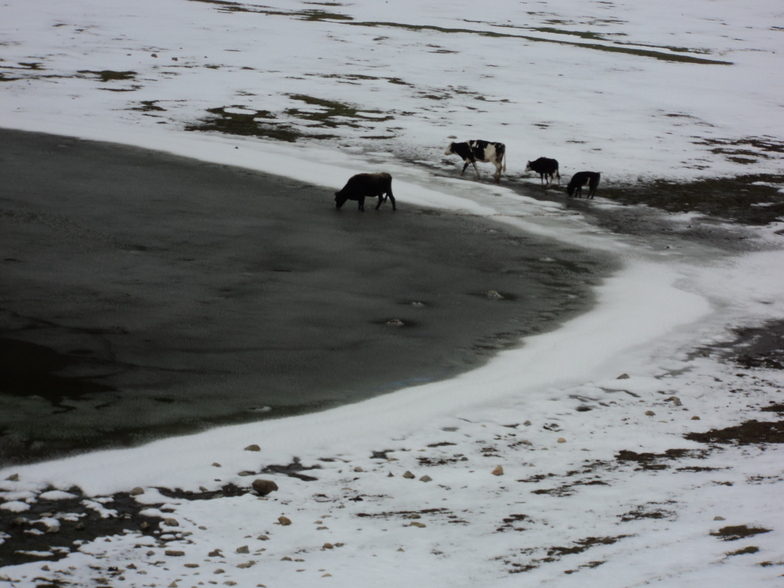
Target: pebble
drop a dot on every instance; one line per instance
(649, 413)
(408, 475)
(284, 521)
(498, 471)
(171, 522)
(137, 491)
(174, 553)
(561, 440)
(264, 487)
(425, 479)
(243, 549)
(253, 447)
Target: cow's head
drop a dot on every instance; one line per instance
(340, 199)
(450, 149)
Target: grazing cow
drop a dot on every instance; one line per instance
(473, 151)
(546, 168)
(580, 179)
(361, 186)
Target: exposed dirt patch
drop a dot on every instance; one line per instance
(750, 199)
(78, 519)
(749, 433)
(108, 75)
(736, 532)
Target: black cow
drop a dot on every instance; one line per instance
(473, 151)
(546, 168)
(361, 186)
(580, 179)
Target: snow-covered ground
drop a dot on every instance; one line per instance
(597, 485)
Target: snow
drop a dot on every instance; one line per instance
(566, 511)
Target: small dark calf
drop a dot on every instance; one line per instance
(546, 168)
(362, 186)
(580, 179)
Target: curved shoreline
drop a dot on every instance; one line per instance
(163, 303)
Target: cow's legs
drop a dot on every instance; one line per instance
(361, 201)
(476, 169)
(465, 166)
(391, 199)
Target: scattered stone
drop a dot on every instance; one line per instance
(253, 447)
(623, 377)
(246, 473)
(527, 423)
(417, 524)
(494, 295)
(358, 469)
(425, 479)
(215, 553)
(401, 549)
(262, 538)
(190, 565)
(246, 565)
(327, 576)
(650, 413)
(216, 465)
(137, 491)
(675, 400)
(719, 518)
(150, 553)
(328, 546)
(286, 558)
(171, 522)
(498, 471)
(264, 487)
(284, 521)
(389, 475)
(408, 475)
(174, 553)
(13, 478)
(395, 323)
(695, 418)
(561, 440)
(219, 571)
(243, 549)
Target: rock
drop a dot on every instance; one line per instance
(494, 295)
(417, 524)
(695, 418)
(264, 487)
(262, 538)
(326, 576)
(328, 546)
(390, 475)
(498, 471)
(219, 571)
(286, 558)
(358, 469)
(623, 377)
(243, 549)
(174, 553)
(246, 565)
(215, 553)
(137, 491)
(649, 413)
(173, 584)
(561, 440)
(425, 479)
(253, 447)
(189, 565)
(150, 553)
(675, 400)
(527, 423)
(171, 522)
(285, 521)
(409, 476)
(216, 465)
(719, 518)
(395, 323)
(12, 478)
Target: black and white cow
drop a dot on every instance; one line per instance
(580, 179)
(546, 168)
(473, 151)
(361, 186)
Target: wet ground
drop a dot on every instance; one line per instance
(146, 295)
